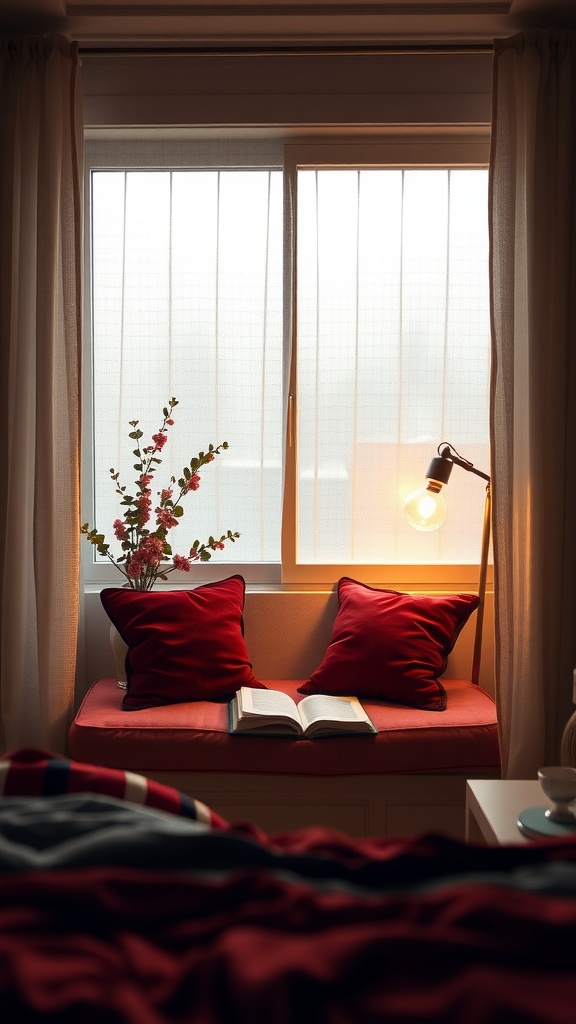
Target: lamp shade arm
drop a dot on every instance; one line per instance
(448, 452)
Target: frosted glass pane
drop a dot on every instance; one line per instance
(187, 302)
(393, 358)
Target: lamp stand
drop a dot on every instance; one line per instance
(482, 587)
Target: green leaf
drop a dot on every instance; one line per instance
(178, 511)
(205, 556)
(187, 473)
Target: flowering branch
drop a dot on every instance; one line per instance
(145, 549)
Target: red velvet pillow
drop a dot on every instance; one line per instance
(391, 646)
(183, 645)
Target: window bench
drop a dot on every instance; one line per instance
(409, 777)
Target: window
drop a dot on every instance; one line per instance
(186, 289)
(385, 289)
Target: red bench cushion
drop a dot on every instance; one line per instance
(194, 737)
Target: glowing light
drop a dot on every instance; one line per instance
(426, 508)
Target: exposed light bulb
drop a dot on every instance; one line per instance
(426, 508)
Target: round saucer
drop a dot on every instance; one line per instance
(534, 823)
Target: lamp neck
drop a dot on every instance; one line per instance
(448, 453)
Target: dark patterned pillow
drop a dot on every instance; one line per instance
(31, 772)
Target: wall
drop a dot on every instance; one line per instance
(302, 92)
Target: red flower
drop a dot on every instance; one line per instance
(160, 439)
(180, 562)
(148, 554)
(120, 529)
(134, 566)
(193, 483)
(165, 518)
(143, 504)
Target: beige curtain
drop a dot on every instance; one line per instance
(533, 270)
(40, 336)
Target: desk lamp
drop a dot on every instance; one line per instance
(426, 510)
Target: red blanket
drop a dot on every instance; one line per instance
(312, 926)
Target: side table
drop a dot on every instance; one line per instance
(493, 806)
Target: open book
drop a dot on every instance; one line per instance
(273, 713)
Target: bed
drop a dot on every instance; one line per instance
(151, 910)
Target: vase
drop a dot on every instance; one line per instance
(119, 650)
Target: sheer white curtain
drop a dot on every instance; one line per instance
(533, 425)
(393, 358)
(40, 333)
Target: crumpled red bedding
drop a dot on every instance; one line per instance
(183, 924)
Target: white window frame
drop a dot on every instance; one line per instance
(105, 154)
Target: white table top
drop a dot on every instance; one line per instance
(496, 804)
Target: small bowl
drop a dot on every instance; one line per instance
(559, 785)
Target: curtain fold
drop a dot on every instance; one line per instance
(41, 135)
(533, 407)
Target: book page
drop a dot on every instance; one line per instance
(334, 709)
(267, 702)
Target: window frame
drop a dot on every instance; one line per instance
(410, 146)
(105, 155)
(426, 148)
